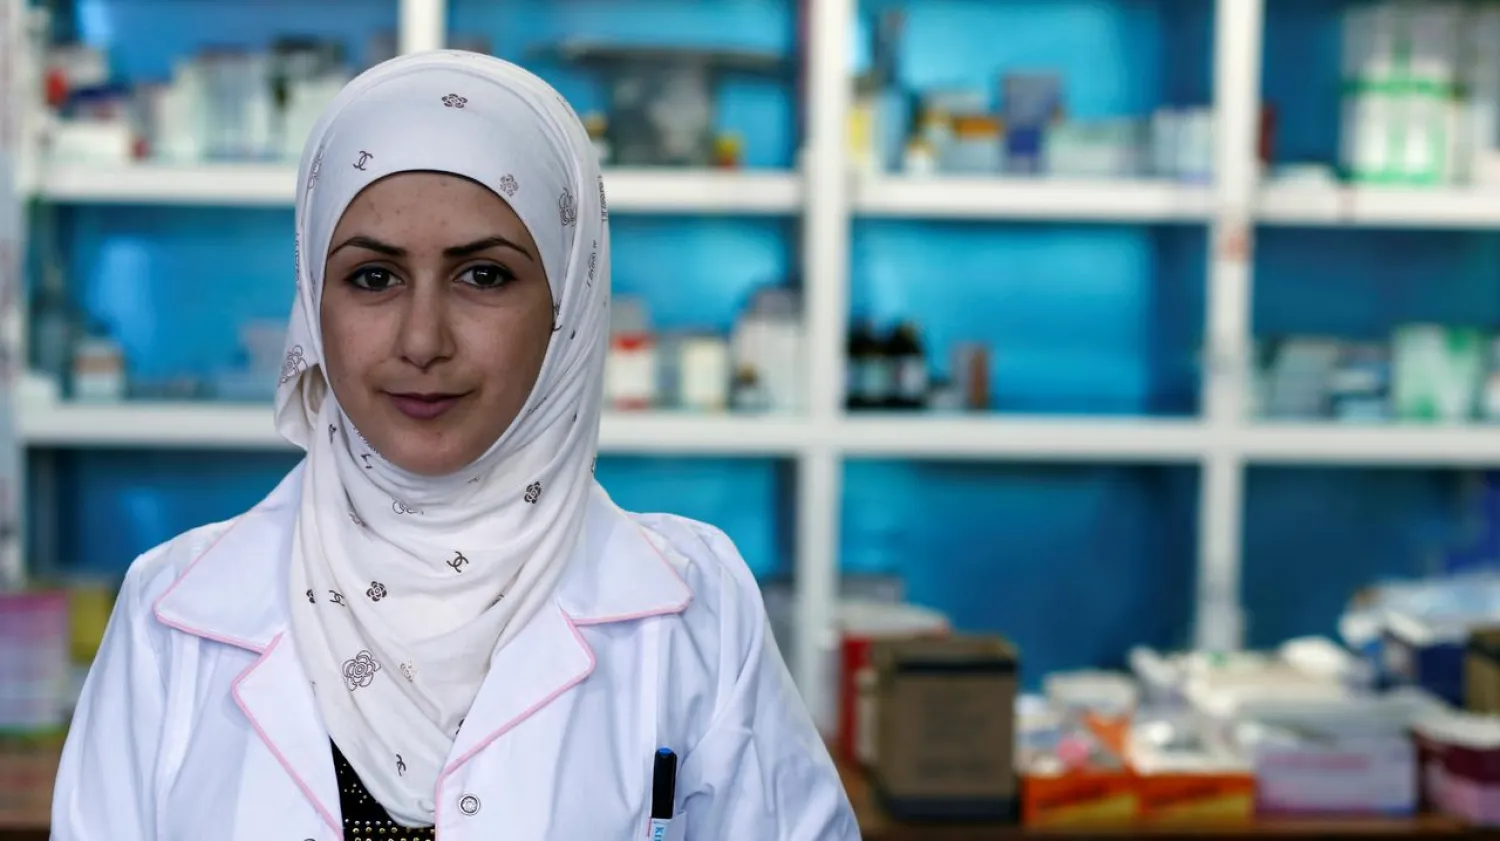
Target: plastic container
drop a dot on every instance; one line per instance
(1459, 759)
(630, 374)
(98, 371)
(919, 159)
(703, 373)
(768, 340)
(976, 146)
(1414, 632)
(1428, 653)
(1110, 695)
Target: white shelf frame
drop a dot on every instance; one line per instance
(1379, 207)
(1032, 199)
(631, 190)
(210, 425)
(1223, 443)
(230, 426)
(758, 192)
(15, 75)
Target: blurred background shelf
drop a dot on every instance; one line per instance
(258, 185)
(1010, 438)
(153, 425)
(1034, 205)
(190, 425)
(1380, 207)
(745, 192)
(220, 185)
(1023, 438)
(955, 197)
(1417, 445)
(249, 427)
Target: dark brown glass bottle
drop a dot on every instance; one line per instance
(908, 366)
(865, 366)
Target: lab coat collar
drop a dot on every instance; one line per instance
(617, 573)
(235, 591)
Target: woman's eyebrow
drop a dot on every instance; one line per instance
(370, 244)
(465, 250)
(479, 245)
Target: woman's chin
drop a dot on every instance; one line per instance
(430, 456)
(430, 447)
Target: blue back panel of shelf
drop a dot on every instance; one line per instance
(1074, 563)
(121, 503)
(760, 111)
(1081, 318)
(145, 37)
(1301, 82)
(172, 283)
(1120, 58)
(1078, 318)
(1313, 536)
(1362, 284)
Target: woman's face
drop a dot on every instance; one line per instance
(436, 315)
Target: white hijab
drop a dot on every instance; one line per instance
(404, 586)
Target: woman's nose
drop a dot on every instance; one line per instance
(426, 337)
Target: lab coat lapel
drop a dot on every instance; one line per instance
(540, 664)
(616, 574)
(276, 697)
(235, 591)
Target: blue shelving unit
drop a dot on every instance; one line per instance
(1098, 301)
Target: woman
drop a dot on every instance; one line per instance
(438, 620)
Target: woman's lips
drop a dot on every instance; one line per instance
(424, 406)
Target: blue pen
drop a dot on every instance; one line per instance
(663, 792)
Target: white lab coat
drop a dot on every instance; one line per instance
(197, 721)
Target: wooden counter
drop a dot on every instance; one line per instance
(877, 827)
(1287, 831)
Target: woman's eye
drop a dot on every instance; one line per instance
(375, 280)
(488, 276)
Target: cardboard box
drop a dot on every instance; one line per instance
(1197, 798)
(1364, 776)
(1182, 783)
(1094, 788)
(945, 728)
(1345, 757)
(1129, 796)
(1196, 784)
(1482, 671)
(863, 624)
(1087, 798)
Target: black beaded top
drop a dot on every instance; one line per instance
(364, 819)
